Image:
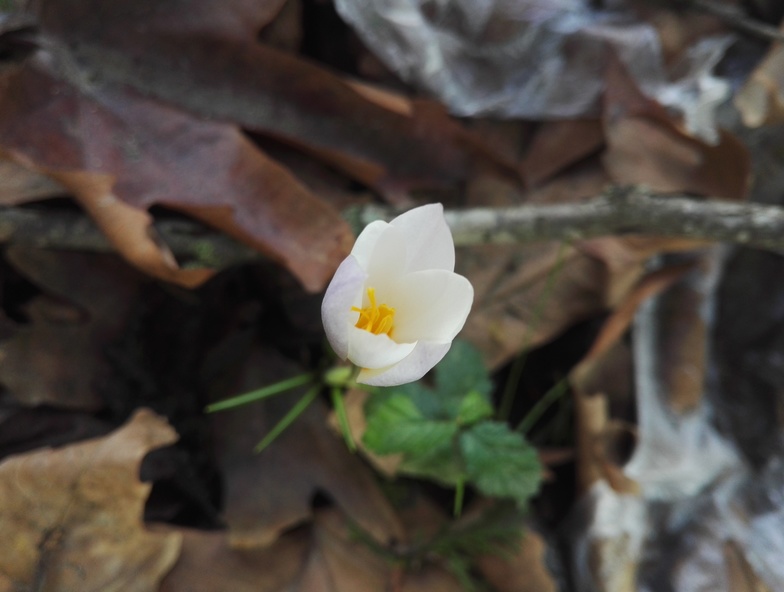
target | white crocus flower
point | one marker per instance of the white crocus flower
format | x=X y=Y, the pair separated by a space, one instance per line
x=395 y=303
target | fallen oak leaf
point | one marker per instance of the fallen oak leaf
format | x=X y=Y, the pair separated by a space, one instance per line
x=129 y=229
x=72 y=517
x=128 y=147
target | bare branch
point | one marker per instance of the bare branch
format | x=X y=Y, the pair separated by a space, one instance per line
x=630 y=210
x=619 y=211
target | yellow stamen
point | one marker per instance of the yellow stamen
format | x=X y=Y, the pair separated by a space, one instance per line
x=376 y=319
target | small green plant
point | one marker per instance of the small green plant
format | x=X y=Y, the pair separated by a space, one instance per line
x=447 y=434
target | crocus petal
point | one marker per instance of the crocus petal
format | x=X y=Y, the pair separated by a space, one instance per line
x=430 y=305
x=427 y=237
x=367 y=350
x=411 y=368
x=344 y=291
x=366 y=242
x=388 y=259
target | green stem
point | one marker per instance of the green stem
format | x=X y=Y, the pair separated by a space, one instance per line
x=459 y=495
x=516 y=371
x=340 y=411
x=267 y=391
x=289 y=418
x=542 y=405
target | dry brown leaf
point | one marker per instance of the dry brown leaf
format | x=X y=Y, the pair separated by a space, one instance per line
x=645 y=146
x=270 y=492
x=124 y=153
x=557 y=145
x=129 y=229
x=21 y=185
x=526 y=296
x=323 y=557
x=761 y=100
x=72 y=517
x=347 y=565
x=524 y=572
x=682 y=346
x=159 y=125
x=57 y=358
x=208 y=563
x=740 y=575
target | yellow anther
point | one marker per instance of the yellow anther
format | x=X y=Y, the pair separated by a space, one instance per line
x=376 y=319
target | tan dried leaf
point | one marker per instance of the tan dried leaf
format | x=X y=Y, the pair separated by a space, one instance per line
x=71 y=518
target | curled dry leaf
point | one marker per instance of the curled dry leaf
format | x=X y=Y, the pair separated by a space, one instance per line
x=160 y=125
x=129 y=229
x=72 y=517
x=129 y=153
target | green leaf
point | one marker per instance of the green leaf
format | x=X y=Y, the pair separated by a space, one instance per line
x=459 y=375
x=397 y=425
x=473 y=408
x=440 y=463
x=500 y=462
x=462 y=371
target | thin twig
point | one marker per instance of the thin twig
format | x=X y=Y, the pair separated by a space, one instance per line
x=737 y=19
x=619 y=211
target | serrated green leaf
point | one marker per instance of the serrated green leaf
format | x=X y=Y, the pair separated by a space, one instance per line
x=500 y=462
x=440 y=463
x=395 y=425
x=459 y=375
x=474 y=407
x=462 y=371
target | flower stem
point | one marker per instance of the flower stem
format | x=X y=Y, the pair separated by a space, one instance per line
x=542 y=405
x=340 y=411
x=289 y=418
x=262 y=393
x=457 y=510
x=510 y=388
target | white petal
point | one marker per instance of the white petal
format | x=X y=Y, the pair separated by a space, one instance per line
x=427 y=237
x=366 y=242
x=344 y=291
x=388 y=259
x=429 y=305
x=411 y=368
x=367 y=350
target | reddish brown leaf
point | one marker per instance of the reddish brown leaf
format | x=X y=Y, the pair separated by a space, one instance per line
x=145 y=153
x=559 y=144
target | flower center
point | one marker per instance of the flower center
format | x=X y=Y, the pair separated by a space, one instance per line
x=373 y=318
